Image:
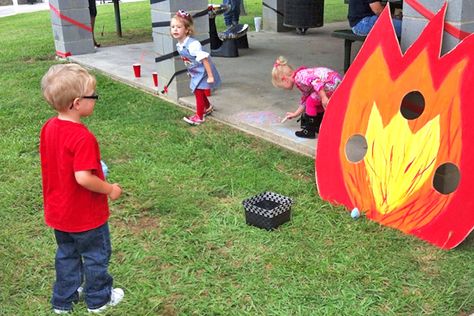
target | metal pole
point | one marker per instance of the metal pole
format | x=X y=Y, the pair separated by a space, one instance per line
x=118 y=23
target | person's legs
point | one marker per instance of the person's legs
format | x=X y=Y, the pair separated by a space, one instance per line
x=397 y=25
x=365 y=25
x=201 y=102
x=93 y=14
x=94 y=246
x=228 y=15
x=68 y=266
x=235 y=9
x=317 y=121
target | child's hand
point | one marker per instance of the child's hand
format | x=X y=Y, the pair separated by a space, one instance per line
x=210 y=79
x=291 y=115
x=116 y=192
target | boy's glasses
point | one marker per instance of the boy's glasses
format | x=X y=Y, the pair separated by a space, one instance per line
x=94 y=96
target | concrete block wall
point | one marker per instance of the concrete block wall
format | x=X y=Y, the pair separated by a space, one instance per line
x=70 y=38
x=163 y=42
x=271 y=20
x=460 y=14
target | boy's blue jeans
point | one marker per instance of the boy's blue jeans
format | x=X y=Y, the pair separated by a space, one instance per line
x=82 y=256
x=232 y=17
x=365 y=25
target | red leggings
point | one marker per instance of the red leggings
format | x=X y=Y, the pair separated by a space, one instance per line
x=202 y=103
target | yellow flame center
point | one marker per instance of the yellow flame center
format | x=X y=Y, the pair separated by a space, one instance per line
x=398 y=161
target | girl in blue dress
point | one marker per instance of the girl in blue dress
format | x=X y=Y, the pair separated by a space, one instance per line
x=203 y=72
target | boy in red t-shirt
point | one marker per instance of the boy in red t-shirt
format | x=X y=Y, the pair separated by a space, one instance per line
x=75 y=192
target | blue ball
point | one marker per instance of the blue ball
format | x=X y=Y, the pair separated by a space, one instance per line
x=105 y=169
x=355 y=213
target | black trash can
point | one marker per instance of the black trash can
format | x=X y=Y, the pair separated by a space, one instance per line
x=303 y=14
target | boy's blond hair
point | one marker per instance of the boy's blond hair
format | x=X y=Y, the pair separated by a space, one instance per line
x=65 y=82
x=280 y=68
x=188 y=23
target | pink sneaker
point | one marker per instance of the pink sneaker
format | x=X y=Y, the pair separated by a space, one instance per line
x=193 y=120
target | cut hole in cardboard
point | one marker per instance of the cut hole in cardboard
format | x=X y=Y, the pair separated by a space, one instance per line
x=356 y=148
x=413 y=105
x=446 y=178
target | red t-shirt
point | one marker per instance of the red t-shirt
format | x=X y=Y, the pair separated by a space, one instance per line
x=67 y=147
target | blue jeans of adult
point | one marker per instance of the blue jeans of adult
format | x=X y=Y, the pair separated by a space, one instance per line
x=364 y=26
x=80 y=256
x=232 y=17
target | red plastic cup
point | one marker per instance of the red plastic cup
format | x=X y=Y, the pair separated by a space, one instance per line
x=137 y=70
x=155 y=78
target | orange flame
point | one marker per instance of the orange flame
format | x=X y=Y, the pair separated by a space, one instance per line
x=394 y=180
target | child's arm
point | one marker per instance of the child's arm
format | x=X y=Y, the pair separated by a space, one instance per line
x=93 y=183
x=296 y=113
x=324 y=98
x=207 y=66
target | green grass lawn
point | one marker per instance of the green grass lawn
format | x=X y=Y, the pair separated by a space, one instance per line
x=180 y=242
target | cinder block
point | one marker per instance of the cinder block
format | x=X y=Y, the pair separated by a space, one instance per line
x=201 y=24
x=70 y=33
x=457 y=11
x=161 y=16
x=79 y=15
x=179 y=88
x=85 y=46
x=175 y=5
x=69 y=4
x=272 y=21
x=467 y=11
x=168 y=67
x=163 y=43
x=411 y=30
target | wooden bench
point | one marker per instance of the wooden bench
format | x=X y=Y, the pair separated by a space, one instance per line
x=348 y=38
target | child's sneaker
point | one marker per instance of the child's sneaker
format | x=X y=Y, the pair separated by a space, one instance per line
x=193 y=120
x=115 y=297
x=80 y=296
x=209 y=110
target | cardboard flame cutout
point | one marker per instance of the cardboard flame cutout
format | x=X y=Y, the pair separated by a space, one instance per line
x=396 y=140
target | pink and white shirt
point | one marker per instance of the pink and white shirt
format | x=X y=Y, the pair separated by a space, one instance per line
x=311 y=80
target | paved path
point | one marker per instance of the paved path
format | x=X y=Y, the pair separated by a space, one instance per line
x=247 y=100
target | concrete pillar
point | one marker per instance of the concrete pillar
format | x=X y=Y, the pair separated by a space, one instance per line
x=273 y=16
x=460 y=14
x=163 y=42
x=71 y=23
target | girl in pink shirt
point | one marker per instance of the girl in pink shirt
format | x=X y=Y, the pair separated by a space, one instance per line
x=316 y=86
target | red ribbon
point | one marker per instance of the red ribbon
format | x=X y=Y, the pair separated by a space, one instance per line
x=451 y=29
x=72 y=21
x=62 y=54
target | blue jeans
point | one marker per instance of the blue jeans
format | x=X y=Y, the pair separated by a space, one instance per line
x=365 y=25
x=82 y=256
x=232 y=17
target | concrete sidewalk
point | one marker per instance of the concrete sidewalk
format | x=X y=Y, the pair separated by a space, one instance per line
x=247 y=100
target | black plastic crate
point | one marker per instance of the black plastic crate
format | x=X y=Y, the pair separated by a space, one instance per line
x=267 y=210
